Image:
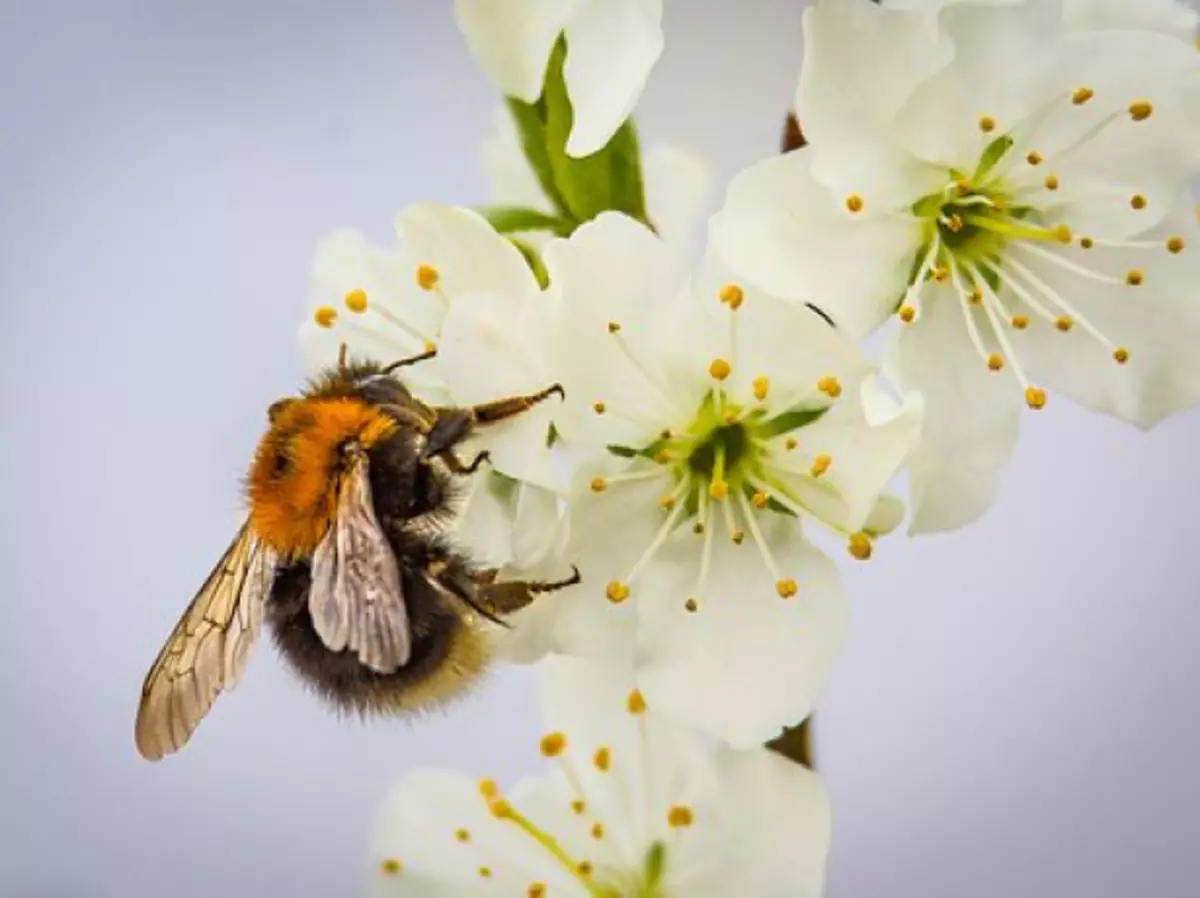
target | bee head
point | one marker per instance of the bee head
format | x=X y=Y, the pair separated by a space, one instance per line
x=295 y=477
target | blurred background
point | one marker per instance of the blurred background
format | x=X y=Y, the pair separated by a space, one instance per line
x=1016 y=713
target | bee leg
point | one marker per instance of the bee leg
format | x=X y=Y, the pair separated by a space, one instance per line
x=462 y=586
x=490 y=412
x=411 y=360
x=457 y=466
x=513 y=595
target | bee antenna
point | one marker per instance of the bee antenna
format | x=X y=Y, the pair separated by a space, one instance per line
x=342 y=358
x=412 y=360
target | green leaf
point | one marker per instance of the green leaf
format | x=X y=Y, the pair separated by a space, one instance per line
x=517 y=219
x=993 y=153
x=579 y=189
x=789 y=421
x=622 y=451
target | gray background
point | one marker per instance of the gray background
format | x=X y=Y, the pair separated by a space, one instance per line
x=1015 y=714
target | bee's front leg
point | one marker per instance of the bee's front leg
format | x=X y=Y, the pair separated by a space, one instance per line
x=513 y=595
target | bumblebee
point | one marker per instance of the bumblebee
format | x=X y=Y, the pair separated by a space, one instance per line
x=345 y=553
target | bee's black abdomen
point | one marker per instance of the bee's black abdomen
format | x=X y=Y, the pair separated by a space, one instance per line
x=448 y=652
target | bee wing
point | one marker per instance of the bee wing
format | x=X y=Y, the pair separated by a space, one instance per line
x=356 y=600
x=207 y=650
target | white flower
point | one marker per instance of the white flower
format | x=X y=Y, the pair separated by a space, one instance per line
x=704 y=425
x=676 y=183
x=635 y=807
x=391 y=305
x=1015 y=192
x=611 y=47
x=1173 y=17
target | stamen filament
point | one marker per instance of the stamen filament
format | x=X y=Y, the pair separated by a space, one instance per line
x=990 y=304
x=505 y=811
x=1073 y=267
x=662 y=392
x=1011 y=227
x=1051 y=294
x=968 y=315
x=664 y=531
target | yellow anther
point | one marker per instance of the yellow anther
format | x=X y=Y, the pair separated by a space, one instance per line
x=987 y=124
x=941 y=273
x=598 y=407
x=1035 y=158
x=427 y=277
x=578 y=807
x=635 y=702
x=955 y=223
x=718 y=489
x=585 y=869
x=667 y=502
x=616 y=591
x=1138 y=201
x=975 y=297
x=1175 y=245
x=1062 y=233
x=614 y=327
x=786 y=588
x=356 y=301
x=1135 y=277
x=325 y=316
x=599 y=484
x=733 y=296
x=597 y=830
x=907 y=314
x=760 y=500
x=488 y=789
x=860 y=546
x=761 y=385
x=830 y=386
x=738 y=537
x=537 y=890
x=662 y=456
x=790 y=443
x=821 y=464
x=602 y=759
x=1086 y=242
x=1020 y=322
x=1121 y=355
x=719 y=369
x=430 y=346
x=485 y=872
x=1082 y=95
x=854 y=203
x=697 y=528
x=691 y=606
x=500 y=809
x=1141 y=110
x=553 y=745
x=680 y=816
x=666 y=433
x=995 y=361
x=1051 y=182
x=463 y=835
x=391 y=867
x=1064 y=323
x=1035 y=398
x=963 y=185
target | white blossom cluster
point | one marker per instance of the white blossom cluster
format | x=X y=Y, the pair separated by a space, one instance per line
x=1003 y=186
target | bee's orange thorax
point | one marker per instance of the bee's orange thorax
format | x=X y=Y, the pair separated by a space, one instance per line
x=294 y=481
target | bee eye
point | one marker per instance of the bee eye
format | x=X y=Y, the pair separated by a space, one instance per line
x=276 y=409
x=281 y=465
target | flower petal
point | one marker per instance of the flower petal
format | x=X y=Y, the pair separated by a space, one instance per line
x=1166 y=16
x=780 y=822
x=416 y=850
x=971 y=416
x=746 y=662
x=1157 y=323
x=611 y=47
x=511 y=182
x=781 y=231
x=467 y=255
x=512 y=40
x=677 y=186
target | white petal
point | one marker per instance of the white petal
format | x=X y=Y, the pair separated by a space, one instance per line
x=1158 y=323
x=485 y=523
x=611 y=47
x=613 y=271
x=345 y=262
x=886 y=516
x=511 y=182
x=417 y=826
x=1167 y=16
x=677 y=186
x=785 y=233
x=971 y=416
x=779 y=824
x=511 y=39
x=746 y=663
x=469 y=256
